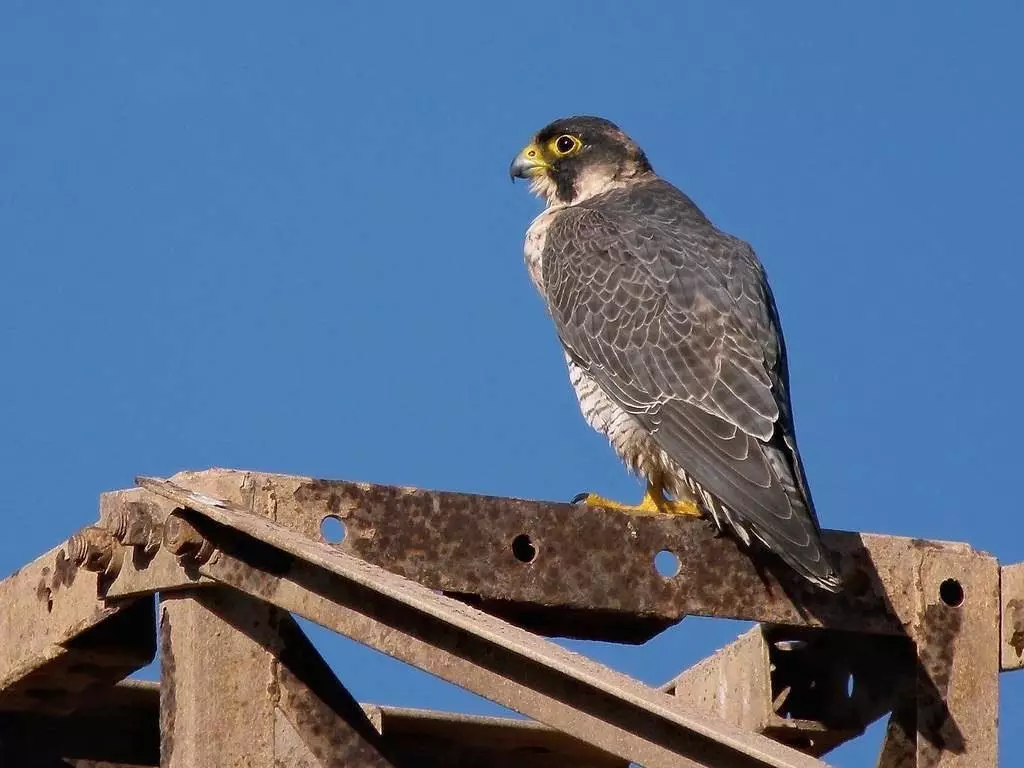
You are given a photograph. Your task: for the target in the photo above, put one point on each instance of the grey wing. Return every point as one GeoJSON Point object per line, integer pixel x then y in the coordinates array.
{"type": "Point", "coordinates": [676, 323]}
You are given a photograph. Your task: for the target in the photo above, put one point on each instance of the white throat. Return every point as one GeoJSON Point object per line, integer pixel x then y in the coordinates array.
{"type": "Point", "coordinates": [596, 181]}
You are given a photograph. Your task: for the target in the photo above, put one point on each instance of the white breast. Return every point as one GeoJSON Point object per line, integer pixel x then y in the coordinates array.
{"type": "Point", "coordinates": [533, 248]}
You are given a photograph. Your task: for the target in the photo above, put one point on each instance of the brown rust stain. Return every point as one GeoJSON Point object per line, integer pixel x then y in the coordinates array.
{"type": "Point", "coordinates": [328, 494]}
{"type": "Point", "coordinates": [64, 571]}
{"type": "Point", "coordinates": [167, 690]}
{"type": "Point", "coordinates": [1015, 609]}
{"type": "Point", "coordinates": [587, 559]}
{"type": "Point", "coordinates": [940, 626]}
{"type": "Point", "coordinates": [43, 591]}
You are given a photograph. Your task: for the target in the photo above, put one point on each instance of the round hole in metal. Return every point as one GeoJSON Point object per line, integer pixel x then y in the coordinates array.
{"type": "Point", "coordinates": [666, 563]}
{"type": "Point", "coordinates": [332, 529]}
{"type": "Point", "coordinates": [951, 592]}
{"type": "Point", "coordinates": [523, 548]}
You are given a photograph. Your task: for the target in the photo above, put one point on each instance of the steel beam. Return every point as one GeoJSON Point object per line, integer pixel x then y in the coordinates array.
{"type": "Point", "coordinates": [958, 643]}
{"type": "Point", "coordinates": [58, 638]}
{"type": "Point", "coordinates": [566, 570]}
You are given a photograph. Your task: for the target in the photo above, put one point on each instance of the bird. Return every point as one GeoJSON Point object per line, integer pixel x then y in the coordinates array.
{"type": "Point", "coordinates": [672, 341]}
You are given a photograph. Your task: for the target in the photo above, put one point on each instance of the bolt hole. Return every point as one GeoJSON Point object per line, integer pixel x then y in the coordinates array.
{"type": "Point", "coordinates": [666, 563]}
{"type": "Point", "coordinates": [523, 548]}
{"type": "Point", "coordinates": [332, 529]}
{"type": "Point", "coordinates": [952, 593]}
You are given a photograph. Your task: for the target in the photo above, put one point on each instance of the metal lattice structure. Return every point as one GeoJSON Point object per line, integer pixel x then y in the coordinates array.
{"type": "Point", "coordinates": [468, 588]}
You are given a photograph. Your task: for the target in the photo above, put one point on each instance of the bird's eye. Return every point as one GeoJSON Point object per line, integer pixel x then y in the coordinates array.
{"type": "Point", "coordinates": [566, 144]}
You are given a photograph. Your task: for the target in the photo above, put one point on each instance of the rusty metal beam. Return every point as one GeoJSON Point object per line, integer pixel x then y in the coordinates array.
{"type": "Point", "coordinates": [946, 715]}
{"type": "Point", "coordinates": [958, 643]}
{"type": "Point", "coordinates": [560, 569]}
{"type": "Point", "coordinates": [465, 646]}
{"type": "Point", "coordinates": [58, 638]}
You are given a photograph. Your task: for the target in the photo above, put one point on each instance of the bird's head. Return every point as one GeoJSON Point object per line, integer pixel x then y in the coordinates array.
{"type": "Point", "coordinates": [575, 158]}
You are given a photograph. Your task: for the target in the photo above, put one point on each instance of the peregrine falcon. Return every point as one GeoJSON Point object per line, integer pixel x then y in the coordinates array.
{"type": "Point", "coordinates": [672, 341]}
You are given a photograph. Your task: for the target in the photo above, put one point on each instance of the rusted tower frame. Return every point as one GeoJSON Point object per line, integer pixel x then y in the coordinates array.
{"type": "Point", "coordinates": [919, 632]}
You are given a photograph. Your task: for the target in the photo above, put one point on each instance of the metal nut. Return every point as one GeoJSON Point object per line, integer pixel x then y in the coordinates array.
{"type": "Point", "coordinates": [132, 525]}
{"type": "Point", "coordinates": [94, 549]}
{"type": "Point", "coordinates": [182, 540]}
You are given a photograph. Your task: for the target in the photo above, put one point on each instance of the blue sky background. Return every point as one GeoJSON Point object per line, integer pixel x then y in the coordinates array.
{"type": "Point", "coordinates": [282, 237]}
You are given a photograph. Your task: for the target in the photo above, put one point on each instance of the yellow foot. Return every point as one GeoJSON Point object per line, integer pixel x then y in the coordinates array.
{"type": "Point", "coordinates": [653, 502]}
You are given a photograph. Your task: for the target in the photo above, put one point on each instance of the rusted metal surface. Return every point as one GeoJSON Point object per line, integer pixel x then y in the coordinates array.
{"type": "Point", "coordinates": [241, 685]}
{"type": "Point", "coordinates": [95, 549]}
{"type": "Point", "coordinates": [931, 625]}
{"type": "Point", "coordinates": [958, 660]}
{"type": "Point", "coordinates": [209, 713]}
{"type": "Point", "coordinates": [57, 638]}
{"type": "Point", "coordinates": [811, 689]}
{"type": "Point", "coordinates": [328, 724]}
{"type": "Point", "coordinates": [1011, 593]}
{"type": "Point", "coordinates": [734, 683]}
{"type": "Point", "coordinates": [591, 572]}
{"type": "Point", "coordinates": [463, 645]}
{"type": "Point", "coordinates": [429, 739]}
{"type": "Point", "coordinates": [184, 542]}
{"type": "Point", "coordinates": [144, 574]}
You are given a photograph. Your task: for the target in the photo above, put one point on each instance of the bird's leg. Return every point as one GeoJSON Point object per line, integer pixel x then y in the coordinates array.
{"type": "Point", "coordinates": [653, 502]}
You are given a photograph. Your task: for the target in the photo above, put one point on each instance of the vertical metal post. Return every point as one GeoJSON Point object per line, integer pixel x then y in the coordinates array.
{"type": "Point", "coordinates": [958, 645]}
{"type": "Point", "coordinates": [241, 685]}
{"type": "Point", "coordinates": [216, 703]}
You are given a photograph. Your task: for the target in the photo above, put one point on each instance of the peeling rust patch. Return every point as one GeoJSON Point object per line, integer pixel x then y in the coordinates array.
{"type": "Point", "coordinates": [64, 571]}
{"type": "Point", "coordinates": [1015, 608]}
{"type": "Point", "coordinates": [327, 494]}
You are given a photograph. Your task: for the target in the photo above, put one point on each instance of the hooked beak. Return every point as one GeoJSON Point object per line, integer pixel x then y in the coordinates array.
{"type": "Point", "coordinates": [528, 163]}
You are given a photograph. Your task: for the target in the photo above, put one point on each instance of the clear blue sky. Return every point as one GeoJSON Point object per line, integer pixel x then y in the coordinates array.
{"type": "Point", "coordinates": [282, 237]}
